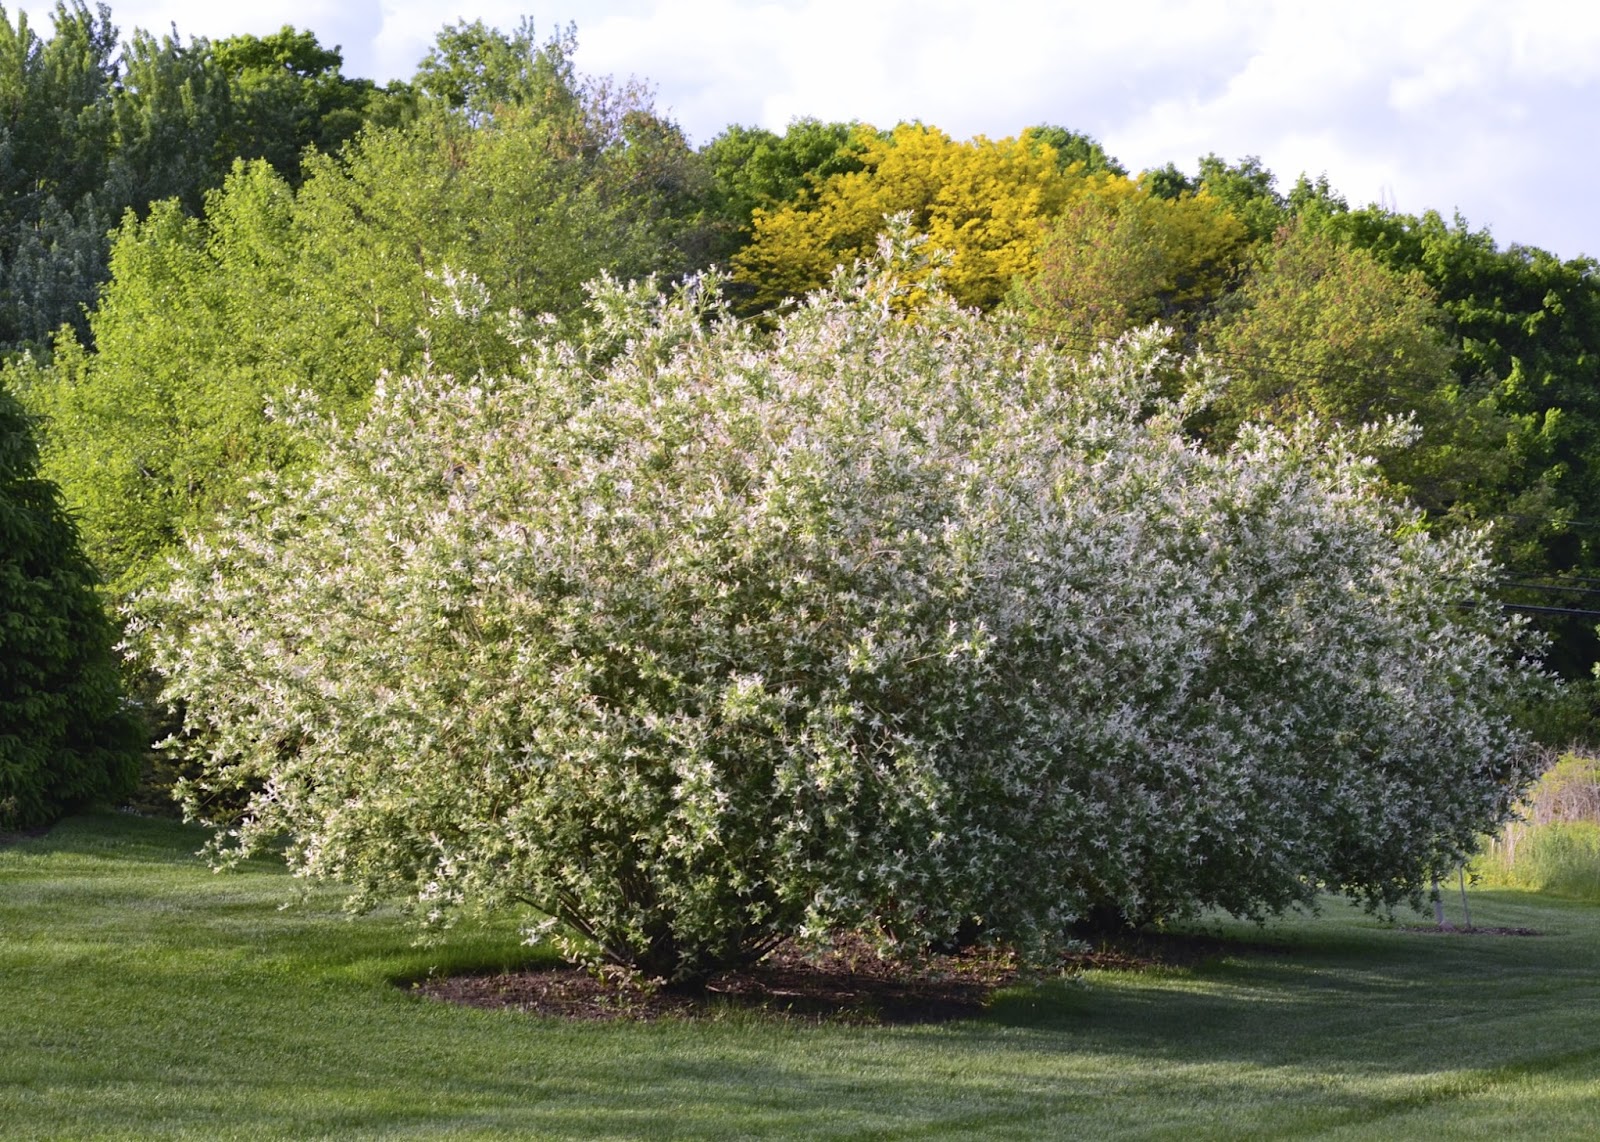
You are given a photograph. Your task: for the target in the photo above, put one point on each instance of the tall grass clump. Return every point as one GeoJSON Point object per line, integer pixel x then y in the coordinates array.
{"type": "Point", "coordinates": [1554, 846]}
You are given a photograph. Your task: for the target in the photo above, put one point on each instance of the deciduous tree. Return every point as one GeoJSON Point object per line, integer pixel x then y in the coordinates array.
{"type": "Point", "coordinates": [1120, 256]}
{"type": "Point", "coordinates": [985, 202]}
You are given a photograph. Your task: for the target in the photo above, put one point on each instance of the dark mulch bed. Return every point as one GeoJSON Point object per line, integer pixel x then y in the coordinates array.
{"type": "Point", "coordinates": [22, 835]}
{"type": "Point", "coordinates": [847, 983]}
{"type": "Point", "coordinates": [1451, 930]}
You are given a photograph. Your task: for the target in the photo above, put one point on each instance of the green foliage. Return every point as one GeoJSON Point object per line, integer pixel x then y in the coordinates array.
{"type": "Point", "coordinates": [1167, 182]}
{"type": "Point", "coordinates": [88, 132]}
{"type": "Point", "coordinates": [209, 322]}
{"type": "Point", "coordinates": [478, 70]}
{"type": "Point", "coordinates": [1527, 324]}
{"type": "Point", "coordinates": [66, 739]}
{"type": "Point", "coordinates": [286, 94]}
{"type": "Point", "coordinates": [1248, 190]}
{"type": "Point", "coordinates": [1325, 329]}
{"type": "Point", "coordinates": [147, 434]}
{"type": "Point", "coordinates": [753, 167]}
{"type": "Point", "coordinates": [168, 120]}
{"type": "Point", "coordinates": [55, 128]}
{"type": "Point", "coordinates": [1075, 148]}
{"type": "Point", "coordinates": [1120, 256]}
{"type": "Point", "coordinates": [696, 640]}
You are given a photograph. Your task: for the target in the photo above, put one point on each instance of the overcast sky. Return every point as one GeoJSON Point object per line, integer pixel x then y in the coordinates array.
{"type": "Point", "coordinates": [1490, 108]}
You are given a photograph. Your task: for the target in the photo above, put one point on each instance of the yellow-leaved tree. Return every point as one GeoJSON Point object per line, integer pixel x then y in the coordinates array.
{"type": "Point", "coordinates": [985, 202]}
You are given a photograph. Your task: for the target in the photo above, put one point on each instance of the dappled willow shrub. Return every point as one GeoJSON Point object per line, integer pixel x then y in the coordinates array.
{"type": "Point", "coordinates": [694, 638]}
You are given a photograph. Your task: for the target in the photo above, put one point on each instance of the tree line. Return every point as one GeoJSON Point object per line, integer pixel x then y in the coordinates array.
{"type": "Point", "coordinates": [253, 177]}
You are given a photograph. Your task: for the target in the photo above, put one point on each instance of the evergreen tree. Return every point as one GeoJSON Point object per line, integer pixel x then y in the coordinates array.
{"type": "Point", "coordinates": [66, 737]}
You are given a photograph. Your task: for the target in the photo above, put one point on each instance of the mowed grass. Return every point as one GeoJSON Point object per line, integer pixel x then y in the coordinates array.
{"type": "Point", "coordinates": [142, 995]}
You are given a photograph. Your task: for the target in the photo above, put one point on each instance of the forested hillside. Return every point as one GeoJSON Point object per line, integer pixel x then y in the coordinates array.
{"type": "Point", "coordinates": [207, 246]}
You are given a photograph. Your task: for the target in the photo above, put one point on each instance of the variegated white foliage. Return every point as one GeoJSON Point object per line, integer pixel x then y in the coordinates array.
{"type": "Point", "coordinates": [695, 637]}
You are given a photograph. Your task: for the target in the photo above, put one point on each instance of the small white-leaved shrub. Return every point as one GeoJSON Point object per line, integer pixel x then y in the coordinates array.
{"type": "Point", "coordinates": [694, 637]}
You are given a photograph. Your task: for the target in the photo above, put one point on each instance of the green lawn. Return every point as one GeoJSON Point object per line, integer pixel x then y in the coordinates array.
{"type": "Point", "coordinates": [142, 995]}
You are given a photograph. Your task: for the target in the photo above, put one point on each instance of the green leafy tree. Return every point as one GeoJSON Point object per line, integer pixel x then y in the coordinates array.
{"type": "Point", "coordinates": [66, 739]}
{"type": "Point", "coordinates": [1167, 182]}
{"type": "Point", "coordinates": [1121, 256]}
{"type": "Point", "coordinates": [1527, 324]}
{"type": "Point", "coordinates": [377, 260]}
{"type": "Point", "coordinates": [287, 94]}
{"type": "Point", "coordinates": [1324, 329]}
{"type": "Point", "coordinates": [693, 640]}
{"type": "Point", "coordinates": [477, 70]}
{"type": "Point", "coordinates": [753, 167]}
{"type": "Point", "coordinates": [146, 433]}
{"type": "Point", "coordinates": [169, 118]}
{"type": "Point", "coordinates": [1249, 191]}
{"type": "Point", "coordinates": [1073, 148]}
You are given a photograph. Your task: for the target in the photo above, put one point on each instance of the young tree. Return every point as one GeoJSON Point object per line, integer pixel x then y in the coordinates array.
{"type": "Point", "coordinates": [66, 739]}
{"type": "Point", "coordinates": [694, 640]}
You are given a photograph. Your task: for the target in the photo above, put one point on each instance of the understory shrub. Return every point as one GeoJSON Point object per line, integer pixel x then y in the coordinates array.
{"type": "Point", "coordinates": [694, 638]}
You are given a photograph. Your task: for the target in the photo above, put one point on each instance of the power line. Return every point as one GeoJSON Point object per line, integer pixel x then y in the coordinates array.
{"type": "Point", "coordinates": [1547, 519]}
{"type": "Point", "coordinates": [1531, 609]}
{"type": "Point", "coordinates": [1553, 587]}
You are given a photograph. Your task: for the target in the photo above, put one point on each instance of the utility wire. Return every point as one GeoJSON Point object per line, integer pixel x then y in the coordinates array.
{"type": "Point", "coordinates": [1571, 612]}
{"type": "Point", "coordinates": [1547, 519]}
{"type": "Point", "coordinates": [1532, 609]}
{"type": "Point", "coordinates": [1553, 587]}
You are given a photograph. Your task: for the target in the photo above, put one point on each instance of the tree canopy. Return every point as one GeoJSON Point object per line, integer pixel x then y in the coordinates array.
{"type": "Point", "coordinates": [982, 201]}
{"type": "Point", "coordinates": [210, 322]}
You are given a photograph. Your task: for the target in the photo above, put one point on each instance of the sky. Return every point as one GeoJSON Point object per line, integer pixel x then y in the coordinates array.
{"type": "Point", "coordinates": [1490, 109]}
